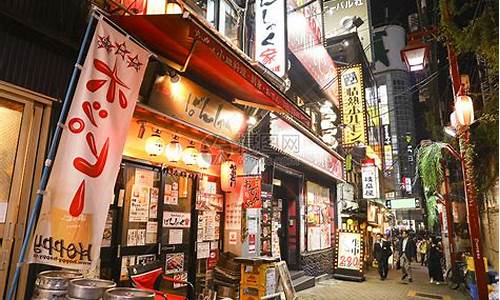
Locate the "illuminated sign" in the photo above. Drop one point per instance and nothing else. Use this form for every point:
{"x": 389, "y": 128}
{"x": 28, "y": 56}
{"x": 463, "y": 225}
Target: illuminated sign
{"x": 350, "y": 251}
{"x": 370, "y": 180}
{"x": 270, "y": 35}
{"x": 193, "y": 104}
{"x": 352, "y": 105}
{"x": 291, "y": 141}
{"x": 305, "y": 41}
{"x": 339, "y": 16}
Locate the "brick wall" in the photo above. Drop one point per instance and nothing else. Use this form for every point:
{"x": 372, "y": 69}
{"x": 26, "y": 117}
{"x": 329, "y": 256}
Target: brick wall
{"x": 317, "y": 262}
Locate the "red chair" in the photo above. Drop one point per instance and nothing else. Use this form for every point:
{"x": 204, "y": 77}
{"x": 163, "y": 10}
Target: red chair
{"x": 150, "y": 276}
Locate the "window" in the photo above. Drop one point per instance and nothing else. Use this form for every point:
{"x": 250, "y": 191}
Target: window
{"x": 319, "y": 217}
{"x": 229, "y": 21}
{"x": 206, "y": 8}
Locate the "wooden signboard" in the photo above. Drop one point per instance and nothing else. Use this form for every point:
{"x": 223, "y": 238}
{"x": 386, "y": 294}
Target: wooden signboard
{"x": 285, "y": 281}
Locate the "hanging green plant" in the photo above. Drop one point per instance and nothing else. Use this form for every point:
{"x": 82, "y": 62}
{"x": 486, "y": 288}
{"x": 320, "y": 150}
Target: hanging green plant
{"x": 429, "y": 167}
{"x": 431, "y": 211}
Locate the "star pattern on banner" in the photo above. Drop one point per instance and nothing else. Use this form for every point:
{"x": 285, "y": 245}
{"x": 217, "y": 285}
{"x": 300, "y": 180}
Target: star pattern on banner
{"x": 134, "y": 62}
{"x": 104, "y": 42}
{"x": 121, "y": 49}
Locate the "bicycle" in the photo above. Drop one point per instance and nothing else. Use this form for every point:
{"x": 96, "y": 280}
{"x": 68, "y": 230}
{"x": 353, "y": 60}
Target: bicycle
{"x": 456, "y": 276}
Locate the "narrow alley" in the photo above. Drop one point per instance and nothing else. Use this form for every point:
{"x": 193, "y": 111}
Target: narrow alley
{"x": 375, "y": 289}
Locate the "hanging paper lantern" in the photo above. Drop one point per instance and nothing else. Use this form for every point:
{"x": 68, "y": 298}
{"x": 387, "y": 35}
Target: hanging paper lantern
{"x": 464, "y": 110}
{"x": 190, "y": 155}
{"x": 154, "y": 144}
{"x": 228, "y": 176}
{"x": 173, "y": 151}
{"x": 204, "y": 158}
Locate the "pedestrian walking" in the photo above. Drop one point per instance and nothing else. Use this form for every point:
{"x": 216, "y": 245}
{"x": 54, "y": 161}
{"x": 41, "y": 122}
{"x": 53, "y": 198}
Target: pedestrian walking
{"x": 381, "y": 252}
{"x": 434, "y": 261}
{"x": 422, "y": 250}
{"x": 407, "y": 250}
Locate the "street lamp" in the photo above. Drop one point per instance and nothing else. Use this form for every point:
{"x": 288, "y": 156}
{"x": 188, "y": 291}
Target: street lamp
{"x": 464, "y": 110}
{"x": 415, "y": 55}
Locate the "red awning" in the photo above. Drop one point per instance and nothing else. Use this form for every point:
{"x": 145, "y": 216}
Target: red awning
{"x": 213, "y": 60}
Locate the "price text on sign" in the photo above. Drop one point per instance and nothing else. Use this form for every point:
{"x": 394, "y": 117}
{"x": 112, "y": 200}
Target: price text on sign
{"x": 350, "y": 251}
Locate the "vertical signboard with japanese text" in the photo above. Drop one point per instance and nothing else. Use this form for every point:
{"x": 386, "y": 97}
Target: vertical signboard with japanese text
{"x": 370, "y": 180}
{"x": 352, "y": 106}
{"x": 270, "y": 42}
{"x": 73, "y": 215}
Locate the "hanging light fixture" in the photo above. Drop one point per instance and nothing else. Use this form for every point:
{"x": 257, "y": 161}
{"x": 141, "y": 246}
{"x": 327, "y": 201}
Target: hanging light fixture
{"x": 173, "y": 151}
{"x": 464, "y": 110}
{"x": 228, "y": 176}
{"x": 415, "y": 55}
{"x": 173, "y": 8}
{"x": 155, "y": 144}
{"x": 204, "y": 158}
{"x": 190, "y": 154}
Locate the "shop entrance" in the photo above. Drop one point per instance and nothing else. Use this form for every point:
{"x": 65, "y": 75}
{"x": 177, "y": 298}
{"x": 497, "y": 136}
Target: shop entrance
{"x": 286, "y": 191}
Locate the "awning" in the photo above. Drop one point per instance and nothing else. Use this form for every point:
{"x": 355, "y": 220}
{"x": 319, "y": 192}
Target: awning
{"x": 180, "y": 38}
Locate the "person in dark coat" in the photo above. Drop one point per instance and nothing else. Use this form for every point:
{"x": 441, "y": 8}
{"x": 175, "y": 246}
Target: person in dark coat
{"x": 434, "y": 261}
{"x": 407, "y": 249}
{"x": 381, "y": 252}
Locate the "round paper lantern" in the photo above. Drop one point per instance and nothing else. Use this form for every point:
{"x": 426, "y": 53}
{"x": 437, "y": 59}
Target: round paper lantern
{"x": 154, "y": 144}
{"x": 204, "y": 158}
{"x": 228, "y": 176}
{"x": 173, "y": 151}
{"x": 190, "y": 155}
{"x": 464, "y": 110}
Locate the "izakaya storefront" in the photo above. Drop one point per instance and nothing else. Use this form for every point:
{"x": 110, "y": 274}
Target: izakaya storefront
{"x": 303, "y": 173}
{"x": 179, "y": 186}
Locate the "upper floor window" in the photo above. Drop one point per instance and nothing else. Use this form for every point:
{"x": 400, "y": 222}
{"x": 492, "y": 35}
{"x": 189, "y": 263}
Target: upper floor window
{"x": 229, "y": 21}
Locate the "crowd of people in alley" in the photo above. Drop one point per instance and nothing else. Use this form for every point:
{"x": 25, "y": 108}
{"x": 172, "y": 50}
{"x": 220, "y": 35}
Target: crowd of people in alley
{"x": 408, "y": 248}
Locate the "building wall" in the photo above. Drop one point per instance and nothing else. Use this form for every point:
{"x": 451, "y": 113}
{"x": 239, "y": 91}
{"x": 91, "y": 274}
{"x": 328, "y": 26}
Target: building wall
{"x": 402, "y": 121}
{"x": 489, "y": 228}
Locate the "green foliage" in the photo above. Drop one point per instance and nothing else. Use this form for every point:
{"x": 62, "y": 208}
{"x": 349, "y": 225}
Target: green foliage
{"x": 479, "y": 34}
{"x": 431, "y": 212}
{"x": 429, "y": 167}
{"x": 485, "y": 140}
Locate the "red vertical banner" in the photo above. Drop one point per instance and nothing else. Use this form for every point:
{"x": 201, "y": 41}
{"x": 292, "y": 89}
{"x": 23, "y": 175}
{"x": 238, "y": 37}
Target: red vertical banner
{"x": 252, "y": 192}
{"x": 73, "y": 215}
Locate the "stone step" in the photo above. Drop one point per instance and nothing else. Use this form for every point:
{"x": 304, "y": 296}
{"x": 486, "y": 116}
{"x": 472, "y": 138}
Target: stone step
{"x": 303, "y": 282}
{"x": 296, "y": 274}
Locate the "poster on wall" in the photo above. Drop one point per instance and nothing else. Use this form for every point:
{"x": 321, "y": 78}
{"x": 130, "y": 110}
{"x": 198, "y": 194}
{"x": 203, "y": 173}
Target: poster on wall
{"x": 174, "y": 263}
{"x": 171, "y": 194}
{"x": 144, "y": 177}
{"x": 139, "y": 204}
{"x": 89, "y": 153}
{"x": 151, "y": 232}
{"x": 153, "y": 202}
{"x": 108, "y": 230}
{"x": 313, "y": 238}
{"x": 145, "y": 259}
{"x": 350, "y": 251}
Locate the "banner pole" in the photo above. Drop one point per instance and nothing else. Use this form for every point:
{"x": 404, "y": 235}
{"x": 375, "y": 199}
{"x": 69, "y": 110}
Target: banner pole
{"x": 35, "y": 211}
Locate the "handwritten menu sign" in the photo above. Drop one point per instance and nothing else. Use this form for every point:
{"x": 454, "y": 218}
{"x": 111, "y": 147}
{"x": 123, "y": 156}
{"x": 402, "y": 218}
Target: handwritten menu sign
{"x": 196, "y": 105}
{"x": 252, "y": 192}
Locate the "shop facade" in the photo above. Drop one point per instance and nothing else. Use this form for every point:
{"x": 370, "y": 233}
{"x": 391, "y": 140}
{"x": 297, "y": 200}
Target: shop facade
{"x": 303, "y": 192}
{"x": 187, "y": 189}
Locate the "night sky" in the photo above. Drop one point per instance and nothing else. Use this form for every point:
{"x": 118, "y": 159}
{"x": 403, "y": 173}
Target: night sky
{"x": 398, "y": 11}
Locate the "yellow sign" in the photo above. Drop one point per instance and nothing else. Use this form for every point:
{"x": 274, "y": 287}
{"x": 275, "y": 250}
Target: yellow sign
{"x": 352, "y": 105}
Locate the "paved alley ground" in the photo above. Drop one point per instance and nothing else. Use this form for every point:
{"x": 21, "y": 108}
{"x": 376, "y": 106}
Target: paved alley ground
{"x": 390, "y": 289}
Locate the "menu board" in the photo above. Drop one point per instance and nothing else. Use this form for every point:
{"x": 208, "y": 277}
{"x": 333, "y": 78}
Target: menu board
{"x": 139, "y": 204}
{"x": 349, "y": 254}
